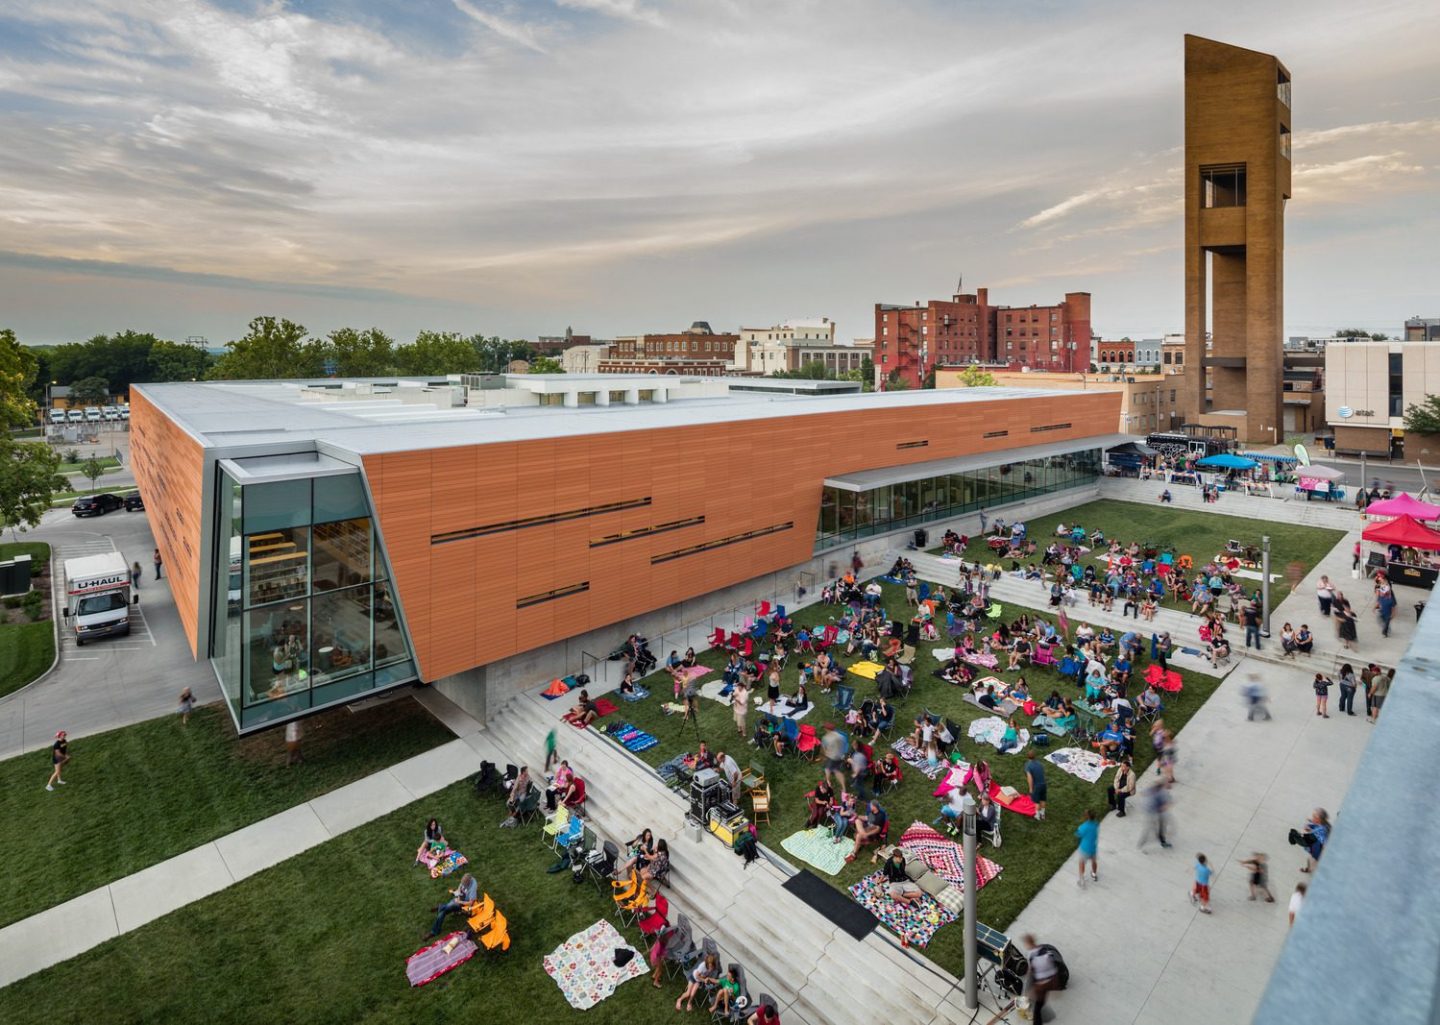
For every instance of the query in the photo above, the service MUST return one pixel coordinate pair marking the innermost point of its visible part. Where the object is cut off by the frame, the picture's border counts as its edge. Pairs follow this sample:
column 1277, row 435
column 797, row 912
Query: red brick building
column 966, row 328
column 697, row 342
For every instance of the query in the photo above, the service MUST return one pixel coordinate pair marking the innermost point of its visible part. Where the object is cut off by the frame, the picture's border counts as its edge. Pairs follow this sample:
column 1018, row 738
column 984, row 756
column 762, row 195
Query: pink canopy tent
column 1404, row 531
column 1404, row 505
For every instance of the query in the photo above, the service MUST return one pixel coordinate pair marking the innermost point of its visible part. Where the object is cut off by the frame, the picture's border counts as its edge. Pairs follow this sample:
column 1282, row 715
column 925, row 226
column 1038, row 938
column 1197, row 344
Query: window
column 1222, row 186
column 1282, row 87
column 1397, row 384
column 1285, row 142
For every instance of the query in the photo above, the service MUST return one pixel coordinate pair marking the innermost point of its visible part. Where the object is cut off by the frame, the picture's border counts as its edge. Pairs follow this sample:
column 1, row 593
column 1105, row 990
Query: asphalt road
column 112, row 681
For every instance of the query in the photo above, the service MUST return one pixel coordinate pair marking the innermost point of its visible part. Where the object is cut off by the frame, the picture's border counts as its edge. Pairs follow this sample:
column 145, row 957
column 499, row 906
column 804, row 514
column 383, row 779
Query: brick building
column 697, row 342
column 911, row 340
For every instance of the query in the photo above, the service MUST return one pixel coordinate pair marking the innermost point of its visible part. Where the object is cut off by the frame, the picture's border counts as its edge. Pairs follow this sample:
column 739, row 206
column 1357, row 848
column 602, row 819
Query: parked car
column 110, row 413
column 92, row 414
column 57, row 416
column 134, row 503
column 75, row 416
column 124, row 412
column 96, row 505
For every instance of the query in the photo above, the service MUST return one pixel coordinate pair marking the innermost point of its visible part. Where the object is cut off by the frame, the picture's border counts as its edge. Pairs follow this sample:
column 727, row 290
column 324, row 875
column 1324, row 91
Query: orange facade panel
column 462, row 598
column 169, row 468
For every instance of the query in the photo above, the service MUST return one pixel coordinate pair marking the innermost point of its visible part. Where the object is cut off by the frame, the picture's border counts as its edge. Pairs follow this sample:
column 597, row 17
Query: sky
column 628, row 166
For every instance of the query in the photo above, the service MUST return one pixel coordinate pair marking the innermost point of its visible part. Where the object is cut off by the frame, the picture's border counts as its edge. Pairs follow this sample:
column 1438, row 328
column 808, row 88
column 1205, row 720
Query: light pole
column 972, row 982
column 1265, row 584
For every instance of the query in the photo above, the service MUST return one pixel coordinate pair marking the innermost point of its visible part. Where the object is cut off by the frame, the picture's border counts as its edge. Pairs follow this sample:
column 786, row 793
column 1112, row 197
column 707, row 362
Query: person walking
column 1044, row 974
column 551, row 755
column 1088, row 833
column 832, row 745
column 187, row 705
column 1122, row 787
column 1379, row 688
column 1385, row 607
column 1322, row 685
column 1344, row 617
column 135, row 575
column 1200, row 892
column 59, row 755
column 1347, row 689
column 1157, row 805
column 1258, row 865
column 1325, row 595
column 1250, row 616
column 293, row 735
column 159, row 562
column 1035, row 780
column 1297, row 901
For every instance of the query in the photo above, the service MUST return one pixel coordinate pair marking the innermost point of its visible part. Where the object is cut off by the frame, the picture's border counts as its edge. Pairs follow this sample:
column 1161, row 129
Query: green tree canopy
column 177, row 361
column 973, row 377
column 438, row 352
column 122, row 359
column 546, row 365
column 17, row 374
column 496, row 355
column 29, row 478
column 1425, row 417
column 359, row 353
column 90, row 391
column 1360, row 332
column 865, row 374
column 810, row 370
column 272, row 348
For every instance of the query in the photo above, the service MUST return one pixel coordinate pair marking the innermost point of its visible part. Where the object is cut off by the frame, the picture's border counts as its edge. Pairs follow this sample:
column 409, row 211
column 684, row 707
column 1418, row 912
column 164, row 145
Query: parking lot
column 111, row 681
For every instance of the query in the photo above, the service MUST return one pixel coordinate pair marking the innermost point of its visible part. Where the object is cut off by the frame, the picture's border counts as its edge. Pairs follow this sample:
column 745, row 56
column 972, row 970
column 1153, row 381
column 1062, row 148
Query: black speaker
column 922, row 537
column 707, row 790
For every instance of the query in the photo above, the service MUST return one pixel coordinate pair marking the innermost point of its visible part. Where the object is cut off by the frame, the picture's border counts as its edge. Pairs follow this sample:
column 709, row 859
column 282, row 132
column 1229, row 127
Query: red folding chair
column 657, row 919
column 717, row 639
column 762, row 610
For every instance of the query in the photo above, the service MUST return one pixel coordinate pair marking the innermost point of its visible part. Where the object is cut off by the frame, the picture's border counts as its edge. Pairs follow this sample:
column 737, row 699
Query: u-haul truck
column 98, row 596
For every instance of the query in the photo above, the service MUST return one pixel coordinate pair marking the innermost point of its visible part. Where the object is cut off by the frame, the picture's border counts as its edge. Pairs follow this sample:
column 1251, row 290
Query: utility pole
column 1265, row 584
column 972, row 981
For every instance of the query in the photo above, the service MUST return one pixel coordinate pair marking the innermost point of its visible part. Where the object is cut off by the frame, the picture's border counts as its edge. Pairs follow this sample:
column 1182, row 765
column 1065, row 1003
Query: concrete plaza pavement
column 115, row 681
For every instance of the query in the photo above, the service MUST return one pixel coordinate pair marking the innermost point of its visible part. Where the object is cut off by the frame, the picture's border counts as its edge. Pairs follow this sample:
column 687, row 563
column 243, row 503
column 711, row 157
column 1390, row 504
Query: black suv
column 134, row 503
column 96, row 505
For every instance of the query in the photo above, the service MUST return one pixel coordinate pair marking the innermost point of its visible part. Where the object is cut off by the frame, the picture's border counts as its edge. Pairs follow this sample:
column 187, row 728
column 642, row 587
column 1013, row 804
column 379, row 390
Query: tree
column 894, row 382
column 973, row 377
column 17, row 373
column 177, row 361
column 94, row 469
column 929, row 381
column 351, row 353
column 546, row 365
column 122, row 359
column 865, row 374
column 90, row 391
column 272, row 348
column 29, row 478
column 497, row 355
column 1360, row 332
column 810, row 370
column 437, row 352
column 1424, row 418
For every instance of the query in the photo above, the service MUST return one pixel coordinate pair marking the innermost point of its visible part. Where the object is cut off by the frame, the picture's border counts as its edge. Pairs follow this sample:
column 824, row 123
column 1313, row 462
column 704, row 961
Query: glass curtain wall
column 849, row 515
column 304, row 608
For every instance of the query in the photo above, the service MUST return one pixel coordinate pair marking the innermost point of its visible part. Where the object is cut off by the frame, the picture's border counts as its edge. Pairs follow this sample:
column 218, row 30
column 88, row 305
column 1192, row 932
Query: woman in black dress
column 1344, row 617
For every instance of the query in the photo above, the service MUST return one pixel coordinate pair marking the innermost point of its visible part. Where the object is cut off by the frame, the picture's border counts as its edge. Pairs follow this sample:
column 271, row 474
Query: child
column 1200, row 894
column 1259, row 876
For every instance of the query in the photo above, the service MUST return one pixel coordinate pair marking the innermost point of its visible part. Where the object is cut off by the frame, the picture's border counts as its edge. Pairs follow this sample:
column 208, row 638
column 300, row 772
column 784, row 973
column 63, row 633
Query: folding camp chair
column 573, row 832
column 790, row 730
column 602, row 862
column 807, row 743
column 529, row 806
column 623, row 890
column 681, row 950
column 479, row 914
column 761, row 629
column 498, row 935
column 736, row 1013
column 760, row 802
column 844, row 698
column 717, row 639
column 762, row 610
column 753, row 777
column 556, row 821
column 658, row 919
column 629, row 911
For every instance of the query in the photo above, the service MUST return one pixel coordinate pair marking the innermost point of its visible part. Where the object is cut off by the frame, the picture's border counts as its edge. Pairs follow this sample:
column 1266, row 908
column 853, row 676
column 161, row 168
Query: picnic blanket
column 441, row 861
column 695, row 672
column 603, row 707
column 783, row 709
column 711, row 689
column 867, row 670
column 943, row 654
column 953, row 778
column 914, row 757
column 673, row 771
column 945, row 857
column 816, row 847
column 632, row 738
column 1020, row 804
column 1080, row 762
column 638, row 694
column 983, row 659
column 915, row 922
column 584, row 965
column 991, row 730
column 1006, row 706
column 432, row 960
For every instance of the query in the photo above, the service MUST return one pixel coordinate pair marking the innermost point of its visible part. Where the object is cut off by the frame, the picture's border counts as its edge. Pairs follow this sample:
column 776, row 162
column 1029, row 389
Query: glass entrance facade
column 849, row 515
column 304, row 606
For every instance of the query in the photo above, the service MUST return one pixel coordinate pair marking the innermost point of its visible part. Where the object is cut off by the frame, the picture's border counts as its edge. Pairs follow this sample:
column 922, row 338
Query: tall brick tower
column 1237, row 179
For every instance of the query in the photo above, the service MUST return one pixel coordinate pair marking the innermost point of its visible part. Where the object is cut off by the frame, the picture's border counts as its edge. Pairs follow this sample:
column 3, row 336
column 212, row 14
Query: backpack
column 1062, row 973
column 744, row 845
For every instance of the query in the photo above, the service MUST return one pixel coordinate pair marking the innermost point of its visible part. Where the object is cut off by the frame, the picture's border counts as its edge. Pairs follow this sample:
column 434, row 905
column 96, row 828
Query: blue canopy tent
column 1270, row 457
column 1226, row 461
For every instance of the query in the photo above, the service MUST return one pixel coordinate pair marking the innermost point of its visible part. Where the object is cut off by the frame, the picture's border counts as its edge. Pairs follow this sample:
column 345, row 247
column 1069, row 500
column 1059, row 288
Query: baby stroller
column 644, row 660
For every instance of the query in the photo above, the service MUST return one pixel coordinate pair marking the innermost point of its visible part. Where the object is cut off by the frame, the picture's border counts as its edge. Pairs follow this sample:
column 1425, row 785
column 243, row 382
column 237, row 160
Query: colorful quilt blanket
column 983, row 659
column 434, row 959
column 442, row 861
column 584, row 965
column 816, row 847
column 632, row 738
column 1079, row 762
column 916, row 922
column 913, row 756
column 991, row 730
column 945, row 857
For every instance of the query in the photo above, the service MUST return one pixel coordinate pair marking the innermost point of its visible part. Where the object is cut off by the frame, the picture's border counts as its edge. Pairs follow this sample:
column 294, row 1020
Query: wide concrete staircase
column 817, row 973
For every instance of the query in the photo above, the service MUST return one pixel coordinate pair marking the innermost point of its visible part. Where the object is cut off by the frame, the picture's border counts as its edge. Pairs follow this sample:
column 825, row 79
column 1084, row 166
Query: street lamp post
column 972, row 981
column 1265, row 584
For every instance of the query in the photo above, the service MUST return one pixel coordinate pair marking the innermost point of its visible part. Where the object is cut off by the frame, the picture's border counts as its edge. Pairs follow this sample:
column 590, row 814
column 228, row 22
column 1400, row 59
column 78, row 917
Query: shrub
column 70, row 455
column 33, row 603
column 12, row 601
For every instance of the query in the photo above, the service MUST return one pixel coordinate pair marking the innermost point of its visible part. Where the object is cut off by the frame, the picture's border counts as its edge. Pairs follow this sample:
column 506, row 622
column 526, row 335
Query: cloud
column 630, row 10
column 1347, row 180
column 514, row 31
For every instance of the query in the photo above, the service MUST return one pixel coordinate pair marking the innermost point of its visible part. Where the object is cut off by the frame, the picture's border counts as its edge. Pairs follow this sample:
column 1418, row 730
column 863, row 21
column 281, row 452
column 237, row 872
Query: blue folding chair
column 844, row 698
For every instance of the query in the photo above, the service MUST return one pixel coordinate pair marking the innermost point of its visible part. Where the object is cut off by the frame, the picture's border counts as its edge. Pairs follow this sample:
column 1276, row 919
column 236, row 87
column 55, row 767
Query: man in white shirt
column 731, row 771
column 1297, row 901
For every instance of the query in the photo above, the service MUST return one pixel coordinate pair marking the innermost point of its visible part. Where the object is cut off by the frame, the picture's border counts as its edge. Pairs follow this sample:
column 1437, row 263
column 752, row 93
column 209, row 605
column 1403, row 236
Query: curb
column 55, row 633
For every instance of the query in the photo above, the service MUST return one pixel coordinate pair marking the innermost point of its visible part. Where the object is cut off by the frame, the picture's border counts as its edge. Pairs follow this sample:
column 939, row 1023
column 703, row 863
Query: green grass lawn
column 323, row 938
column 38, row 551
column 1032, row 850
column 144, row 793
column 108, row 462
column 26, row 651
column 1294, row 550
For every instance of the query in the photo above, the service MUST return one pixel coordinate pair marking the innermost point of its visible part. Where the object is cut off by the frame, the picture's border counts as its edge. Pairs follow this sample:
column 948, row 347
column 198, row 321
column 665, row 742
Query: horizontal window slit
column 537, row 521
column 638, row 532
column 723, row 542
column 559, row 592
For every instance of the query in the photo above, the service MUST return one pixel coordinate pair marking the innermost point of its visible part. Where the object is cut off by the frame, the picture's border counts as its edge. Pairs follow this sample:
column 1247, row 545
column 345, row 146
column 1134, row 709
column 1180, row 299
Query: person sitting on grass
column 726, row 992
column 881, row 719
column 1010, row 740
column 979, row 774
column 886, row 770
column 842, row 813
column 1150, row 700
column 985, row 696
column 1020, row 691
column 433, row 835
column 819, row 802
column 463, row 894
column 902, row 889
column 585, row 712
column 952, row 809
column 706, row 972
column 868, row 828
column 799, row 699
